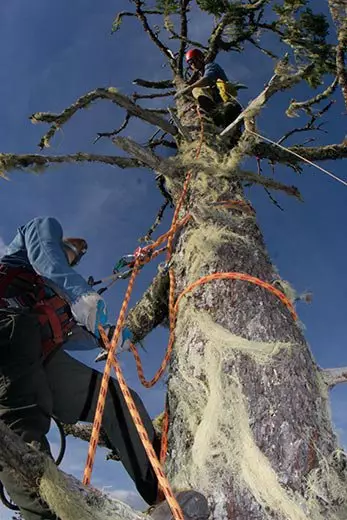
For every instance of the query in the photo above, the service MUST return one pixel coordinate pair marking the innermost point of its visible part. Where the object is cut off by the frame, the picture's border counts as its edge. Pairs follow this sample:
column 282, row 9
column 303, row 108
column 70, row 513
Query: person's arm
column 43, row 241
column 200, row 83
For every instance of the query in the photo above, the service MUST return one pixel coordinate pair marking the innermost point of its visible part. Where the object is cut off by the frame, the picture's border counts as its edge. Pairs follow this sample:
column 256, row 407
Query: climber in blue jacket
column 47, row 309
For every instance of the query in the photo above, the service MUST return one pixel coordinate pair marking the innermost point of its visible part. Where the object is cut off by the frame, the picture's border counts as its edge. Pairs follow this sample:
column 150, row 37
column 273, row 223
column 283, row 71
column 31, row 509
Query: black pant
column 31, row 392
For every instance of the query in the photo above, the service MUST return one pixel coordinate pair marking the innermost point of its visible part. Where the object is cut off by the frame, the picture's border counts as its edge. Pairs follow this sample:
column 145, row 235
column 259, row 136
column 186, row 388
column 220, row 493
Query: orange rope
column 94, row 438
column 144, row 256
column 162, row 480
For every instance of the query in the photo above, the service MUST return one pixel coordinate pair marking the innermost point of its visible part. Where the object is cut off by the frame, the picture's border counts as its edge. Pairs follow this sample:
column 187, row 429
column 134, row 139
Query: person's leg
column 25, row 399
column 204, row 98
column 75, row 388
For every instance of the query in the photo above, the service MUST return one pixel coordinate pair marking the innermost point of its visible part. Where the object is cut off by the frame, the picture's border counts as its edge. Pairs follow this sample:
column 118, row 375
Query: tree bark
column 249, row 417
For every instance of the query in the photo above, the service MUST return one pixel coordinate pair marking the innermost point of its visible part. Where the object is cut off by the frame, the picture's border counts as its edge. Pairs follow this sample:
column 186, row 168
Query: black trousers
column 30, row 392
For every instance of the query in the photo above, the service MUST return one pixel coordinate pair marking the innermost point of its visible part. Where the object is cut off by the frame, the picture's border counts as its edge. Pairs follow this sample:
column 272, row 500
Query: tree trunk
column 249, row 416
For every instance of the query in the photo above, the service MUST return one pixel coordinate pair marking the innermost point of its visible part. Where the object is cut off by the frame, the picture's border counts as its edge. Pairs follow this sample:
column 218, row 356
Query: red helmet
column 194, row 53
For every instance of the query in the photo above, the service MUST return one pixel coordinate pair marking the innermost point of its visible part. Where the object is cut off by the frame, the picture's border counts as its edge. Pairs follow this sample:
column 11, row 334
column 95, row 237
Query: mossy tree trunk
column 249, row 417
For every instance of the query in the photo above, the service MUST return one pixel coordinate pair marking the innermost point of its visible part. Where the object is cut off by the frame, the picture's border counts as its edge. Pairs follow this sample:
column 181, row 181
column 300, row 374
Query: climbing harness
column 144, row 255
column 21, row 288
column 6, row 501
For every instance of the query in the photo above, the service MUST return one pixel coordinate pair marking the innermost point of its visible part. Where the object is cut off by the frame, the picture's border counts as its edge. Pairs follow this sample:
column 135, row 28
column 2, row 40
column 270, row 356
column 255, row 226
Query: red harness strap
column 53, row 312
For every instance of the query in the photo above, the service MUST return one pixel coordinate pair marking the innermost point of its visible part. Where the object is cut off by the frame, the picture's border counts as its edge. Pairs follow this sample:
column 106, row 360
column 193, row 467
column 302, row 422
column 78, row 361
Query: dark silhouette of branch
column 112, row 94
column 162, row 142
column 265, row 51
column 137, row 96
column 114, row 132
column 143, row 19
column 118, row 20
column 310, row 125
column 163, row 84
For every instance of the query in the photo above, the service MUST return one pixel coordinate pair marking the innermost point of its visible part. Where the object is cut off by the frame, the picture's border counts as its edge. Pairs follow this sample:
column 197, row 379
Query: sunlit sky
column 51, row 53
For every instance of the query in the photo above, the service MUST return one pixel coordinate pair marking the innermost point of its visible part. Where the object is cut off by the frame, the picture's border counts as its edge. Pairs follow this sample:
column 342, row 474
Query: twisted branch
column 112, row 94
column 306, row 105
column 114, row 132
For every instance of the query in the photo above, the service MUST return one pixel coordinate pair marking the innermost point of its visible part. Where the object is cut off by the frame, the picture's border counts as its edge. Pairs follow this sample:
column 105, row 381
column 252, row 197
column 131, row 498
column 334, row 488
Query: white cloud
column 2, row 247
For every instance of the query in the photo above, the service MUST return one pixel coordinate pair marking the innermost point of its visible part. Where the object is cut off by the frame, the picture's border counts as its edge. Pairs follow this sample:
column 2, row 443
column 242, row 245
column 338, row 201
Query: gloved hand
column 123, row 342
column 90, row 311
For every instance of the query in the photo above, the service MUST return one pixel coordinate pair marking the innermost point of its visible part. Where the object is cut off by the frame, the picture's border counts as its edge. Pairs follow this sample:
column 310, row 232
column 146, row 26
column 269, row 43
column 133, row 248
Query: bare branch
column 137, row 96
column 277, row 83
column 265, row 51
column 305, row 105
column 152, row 309
column 162, row 142
column 84, row 432
column 268, row 183
column 312, row 153
column 310, row 125
column 63, row 493
column 142, row 17
column 37, row 163
column 114, row 132
column 118, row 20
column 143, row 155
column 111, row 94
column 334, row 376
column 165, row 83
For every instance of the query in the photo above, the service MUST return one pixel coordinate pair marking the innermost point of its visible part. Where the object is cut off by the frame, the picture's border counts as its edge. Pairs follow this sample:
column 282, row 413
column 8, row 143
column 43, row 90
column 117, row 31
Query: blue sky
column 51, row 53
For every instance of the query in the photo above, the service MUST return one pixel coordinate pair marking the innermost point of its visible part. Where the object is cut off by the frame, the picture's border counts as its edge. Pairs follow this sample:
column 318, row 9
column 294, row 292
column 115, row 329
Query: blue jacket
column 39, row 244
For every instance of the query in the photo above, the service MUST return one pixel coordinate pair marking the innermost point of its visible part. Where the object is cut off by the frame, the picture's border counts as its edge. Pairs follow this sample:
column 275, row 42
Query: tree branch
column 312, row 153
column 334, row 376
column 268, row 183
column 310, row 125
column 64, row 494
column 141, row 16
column 305, row 105
column 338, row 10
column 84, row 432
column 114, row 132
column 277, row 83
column 111, row 94
column 10, row 162
column 137, row 96
column 165, row 83
column 143, row 155
column 183, row 35
column 118, row 20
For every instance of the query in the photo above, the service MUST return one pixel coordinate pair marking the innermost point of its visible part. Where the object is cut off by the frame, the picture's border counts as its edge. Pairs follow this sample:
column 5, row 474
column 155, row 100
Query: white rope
column 299, row 157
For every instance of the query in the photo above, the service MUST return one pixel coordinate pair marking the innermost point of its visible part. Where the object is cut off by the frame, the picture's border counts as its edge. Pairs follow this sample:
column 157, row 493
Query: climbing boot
column 194, row 506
